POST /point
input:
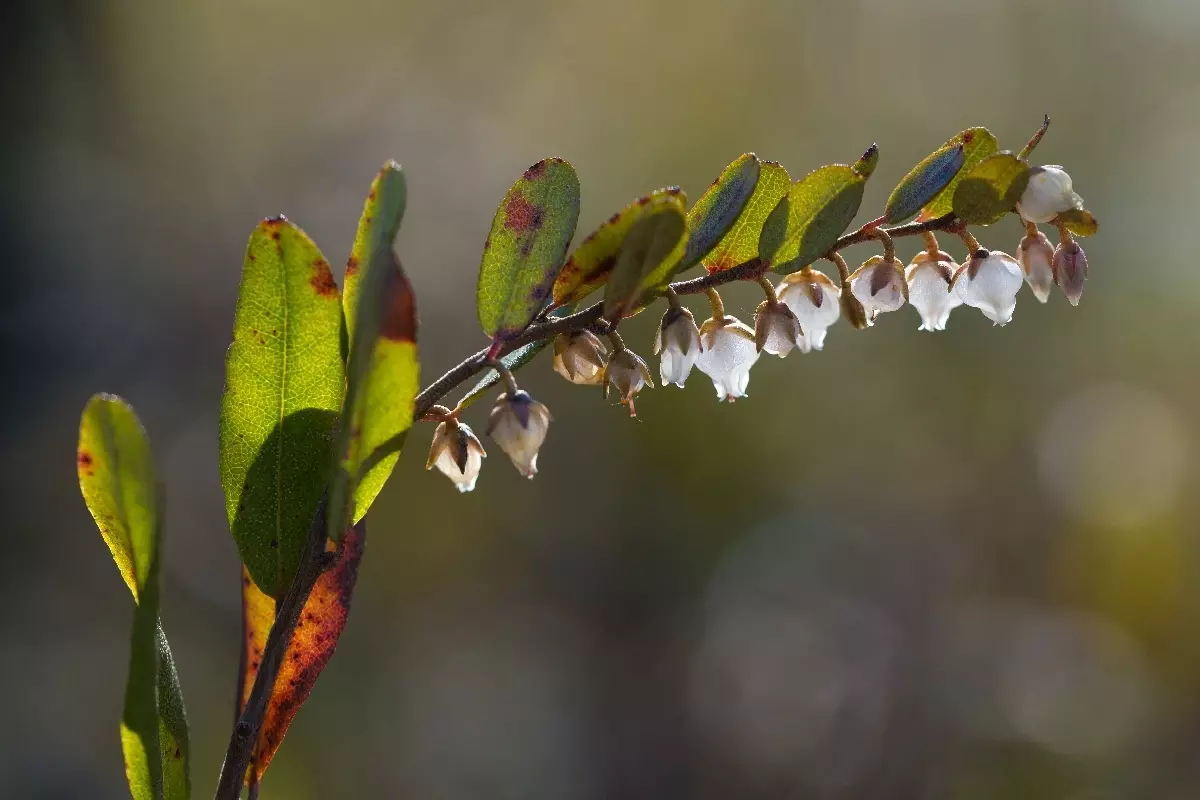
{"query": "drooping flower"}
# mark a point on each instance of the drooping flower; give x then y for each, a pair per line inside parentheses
(677, 344)
(579, 357)
(518, 423)
(880, 286)
(1070, 269)
(1048, 194)
(729, 352)
(990, 282)
(929, 279)
(457, 452)
(776, 329)
(627, 373)
(1036, 255)
(813, 298)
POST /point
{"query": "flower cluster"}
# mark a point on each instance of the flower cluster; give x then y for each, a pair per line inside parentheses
(796, 315)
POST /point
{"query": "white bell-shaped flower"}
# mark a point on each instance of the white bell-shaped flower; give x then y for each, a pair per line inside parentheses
(990, 282)
(518, 423)
(627, 373)
(677, 344)
(1048, 194)
(1070, 269)
(929, 278)
(729, 353)
(457, 452)
(1036, 254)
(579, 357)
(880, 286)
(813, 298)
(776, 329)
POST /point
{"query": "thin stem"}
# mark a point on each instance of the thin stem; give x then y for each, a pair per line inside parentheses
(617, 342)
(1033, 140)
(970, 241)
(842, 267)
(931, 245)
(714, 300)
(1031, 228)
(505, 375)
(438, 414)
(673, 298)
(768, 289)
(1064, 235)
(889, 246)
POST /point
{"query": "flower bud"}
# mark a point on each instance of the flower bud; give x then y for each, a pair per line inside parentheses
(518, 423)
(1070, 269)
(457, 453)
(677, 344)
(776, 329)
(1035, 254)
(729, 352)
(879, 285)
(627, 373)
(990, 282)
(1048, 194)
(929, 279)
(579, 357)
(813, 298)
(852, 309)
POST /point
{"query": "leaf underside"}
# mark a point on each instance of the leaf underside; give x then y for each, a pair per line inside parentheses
(924, 182)
(740, 243)
(710, 219)
(978, 144)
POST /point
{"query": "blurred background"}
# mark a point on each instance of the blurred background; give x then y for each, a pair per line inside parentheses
(959, 565)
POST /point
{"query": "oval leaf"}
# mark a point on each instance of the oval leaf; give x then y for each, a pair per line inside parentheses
(740, 243)
(120, 488)
(513, 361)
(316, 636)
(710, 219)
(977, 144)
(817, 209)
(283, 386)
(377, 227)
(991, 189)
(1078, 221)
(651, 250)
(590, 266)
(525, 249)
(924, 182)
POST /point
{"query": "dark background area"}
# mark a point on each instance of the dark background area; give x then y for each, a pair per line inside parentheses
(958, 565)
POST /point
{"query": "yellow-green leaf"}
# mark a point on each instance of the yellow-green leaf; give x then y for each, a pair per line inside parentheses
(740, 243)
(710, 219)
(977, 144)
(283, 386)
(648, 255)
(590, 266)
(120, 487)
(990, 189)
(1078, 221)
(924, 182)
(378, 225)
(817, 209)
(525, 249)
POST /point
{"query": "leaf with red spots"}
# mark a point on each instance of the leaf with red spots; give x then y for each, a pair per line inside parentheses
(977, 144)
(382, 381)
(590, 266)
(284, 379)
(120, 488)
(710, 219)
(525, 248)
(740, 242)
(312, 645)
(648, 256)
(816, 210)
(377, 227)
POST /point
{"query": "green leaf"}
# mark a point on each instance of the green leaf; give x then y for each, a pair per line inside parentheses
(648, 254)
(283, 386)
(740, 243)
(377, 227)
(817, 209)
(514, 361)
(991, 189)
(382, 383)
(590, 266)
(978, 144)
(1078, 221)
(525, 249)
(120, 487)
(710, 219)
(924, 182)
